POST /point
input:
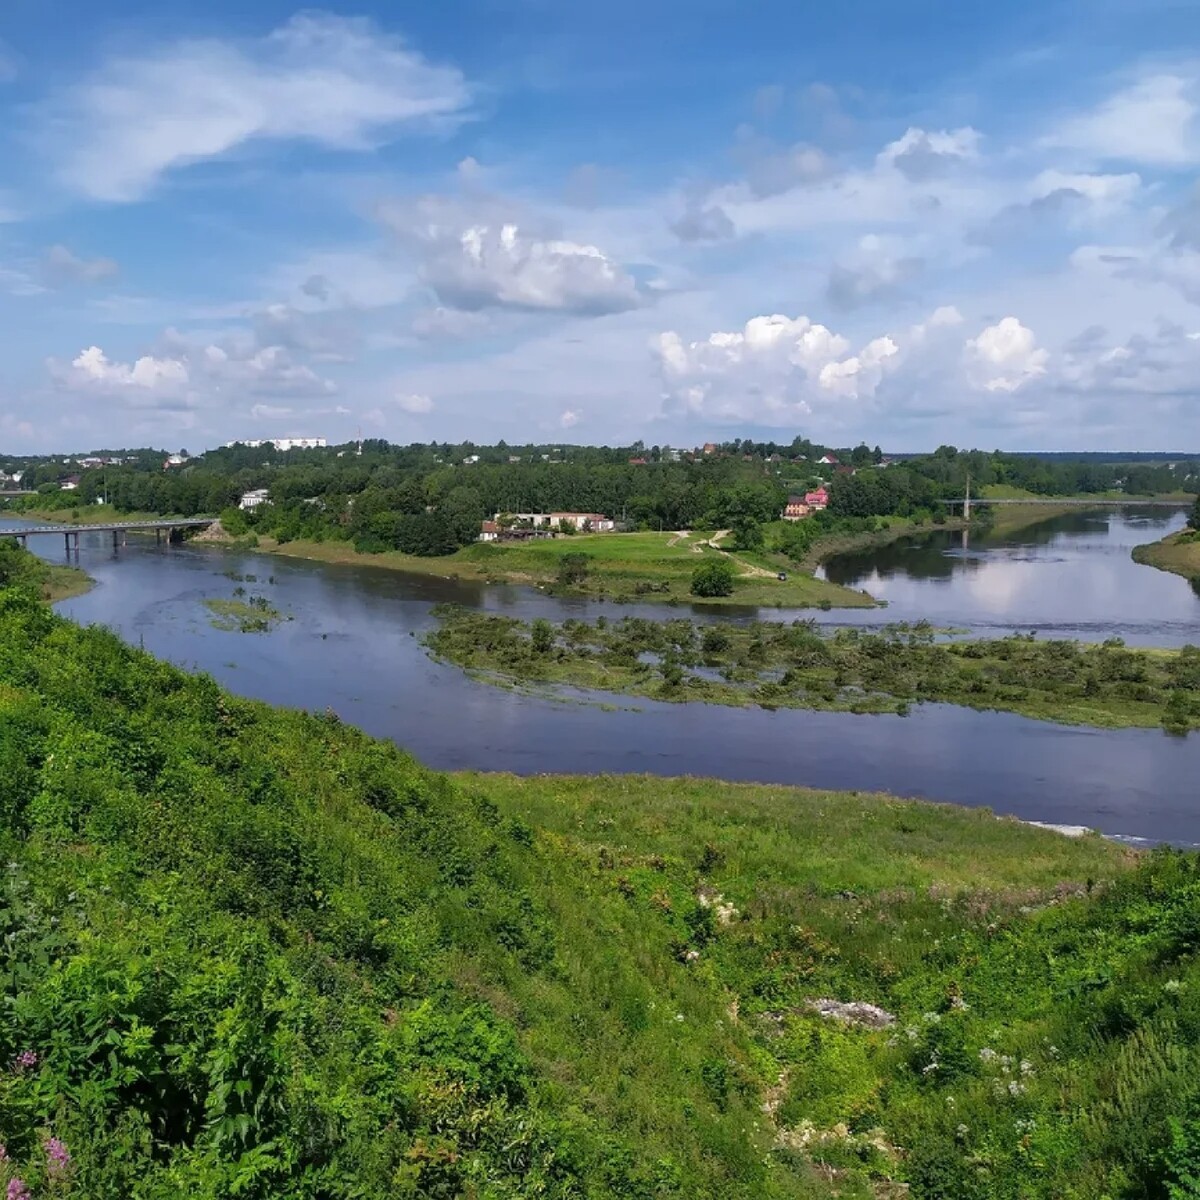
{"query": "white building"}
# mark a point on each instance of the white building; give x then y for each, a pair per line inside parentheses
(253, 499)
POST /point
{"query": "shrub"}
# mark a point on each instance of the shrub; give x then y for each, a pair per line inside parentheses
(713, 578)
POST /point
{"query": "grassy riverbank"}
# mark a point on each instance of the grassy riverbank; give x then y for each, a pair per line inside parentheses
(1178, 553)
(628, 566)
(251, 951)
(776, 665)
(51, 581)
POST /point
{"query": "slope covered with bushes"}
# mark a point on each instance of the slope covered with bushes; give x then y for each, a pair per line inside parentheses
(251, 952)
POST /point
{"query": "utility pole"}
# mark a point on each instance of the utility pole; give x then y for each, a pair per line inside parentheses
(967, 501)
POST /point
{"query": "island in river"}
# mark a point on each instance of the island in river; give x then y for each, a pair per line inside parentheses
(777, 665)
(1178, 553)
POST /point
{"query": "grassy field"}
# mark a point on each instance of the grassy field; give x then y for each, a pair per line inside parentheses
(776, 665)
(626, 566)
(250, 951)
(1178, 553)
(62, 582)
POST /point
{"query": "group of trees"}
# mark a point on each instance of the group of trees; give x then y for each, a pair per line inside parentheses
(428, 499)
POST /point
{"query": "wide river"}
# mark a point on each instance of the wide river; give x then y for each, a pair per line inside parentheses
(353, 643)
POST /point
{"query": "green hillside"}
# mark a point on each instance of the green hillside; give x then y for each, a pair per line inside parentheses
(254, 953)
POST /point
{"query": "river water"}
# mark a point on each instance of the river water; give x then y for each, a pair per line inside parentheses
(353, 643)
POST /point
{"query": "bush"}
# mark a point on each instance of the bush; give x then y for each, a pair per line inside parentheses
(713, 578)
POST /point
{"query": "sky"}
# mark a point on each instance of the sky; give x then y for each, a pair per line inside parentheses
(905, 221)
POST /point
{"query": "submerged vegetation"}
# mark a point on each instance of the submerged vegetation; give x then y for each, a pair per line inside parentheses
(796, 665)
(254, 614)
(252, 952)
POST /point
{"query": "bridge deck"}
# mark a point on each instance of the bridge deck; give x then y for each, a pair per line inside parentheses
(108, 527)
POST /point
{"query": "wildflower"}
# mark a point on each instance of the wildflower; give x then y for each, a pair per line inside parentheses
(17, 1189)
(932, 1018)
(679, 1016)
(987, 1054)
(1026, 1067)
(961, 1132)
(25, 1061)
(930, 1068)
(3, 1153)
(1172, 986)
(58, 1157)
(1015, 1088)
(959, 1004)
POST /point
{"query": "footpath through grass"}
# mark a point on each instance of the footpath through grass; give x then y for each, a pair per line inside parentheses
(776, 665)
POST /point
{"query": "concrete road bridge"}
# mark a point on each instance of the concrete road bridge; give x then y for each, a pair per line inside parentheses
(118, 529)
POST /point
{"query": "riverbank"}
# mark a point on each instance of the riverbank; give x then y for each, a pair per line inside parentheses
(64, 583)
(52, 582)
(772, 665)
(621, 567)
(1178, 553)
(609, 986)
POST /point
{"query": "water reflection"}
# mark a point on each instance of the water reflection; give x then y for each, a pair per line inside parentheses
(1070, 575)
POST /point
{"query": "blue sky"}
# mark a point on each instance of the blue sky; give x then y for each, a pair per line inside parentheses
(910, 222)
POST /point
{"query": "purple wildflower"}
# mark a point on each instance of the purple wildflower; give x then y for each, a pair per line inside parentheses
(17, 1189)
(26, 1060)
(58, 1157)
(3, 1153)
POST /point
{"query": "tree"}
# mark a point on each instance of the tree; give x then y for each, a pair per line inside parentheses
(713, 578)
(1194, 517)
(747, 533)
(573, 569)
(541, 634)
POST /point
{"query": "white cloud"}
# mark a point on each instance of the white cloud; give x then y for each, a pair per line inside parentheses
(152, 374)
(183, 374)
(475, 258)
(61, 267)
(1004, 357)
(270, 412)
(415, 403)
(876, 270)
(701, 224)
(774, 367)
(570, 418)
(1104, 190)
(1150, 121)
(925, 154)
(336, 81)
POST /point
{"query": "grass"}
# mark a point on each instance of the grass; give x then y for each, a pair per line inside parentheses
(250, 951)
(255, 615)
(1178, 553)
(63, 583)
(775, 665)
(627, 566)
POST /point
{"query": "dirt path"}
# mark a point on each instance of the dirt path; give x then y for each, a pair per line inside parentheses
(748, 570)
(680, 535)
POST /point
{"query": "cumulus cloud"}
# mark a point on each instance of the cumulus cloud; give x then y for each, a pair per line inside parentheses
(874, 272)
(473, 259)
(771, 169)
(704, 224)
(329, 337)
(1150, 121)
(1004, 357)
(339, 82)
(921, 155)
(570, 418)
(1182, 224)
(61, 267)
(316, 286)
(182, 374)
(775, 366)
(415, 403)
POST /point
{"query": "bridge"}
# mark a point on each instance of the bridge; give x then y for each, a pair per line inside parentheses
(970, 502)
(119, 529)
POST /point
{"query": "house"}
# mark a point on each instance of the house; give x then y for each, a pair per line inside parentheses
(828, 460)
(70, 483)
(489, 531)
(637, 462)
(593, 522)
(470, 460)
(710, 447)
(796, 508)
(252, 500)
(817, 500)
(284, 444)
(514, 458)
(174, 460)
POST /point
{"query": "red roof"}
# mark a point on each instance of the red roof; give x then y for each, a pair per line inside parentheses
(489, 527)
(820, 496)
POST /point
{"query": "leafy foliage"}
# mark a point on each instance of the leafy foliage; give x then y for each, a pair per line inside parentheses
(714, 577)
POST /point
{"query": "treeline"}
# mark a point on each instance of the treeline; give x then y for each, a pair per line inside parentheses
(429, 499)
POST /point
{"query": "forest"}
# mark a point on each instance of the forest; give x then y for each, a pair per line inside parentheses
(251, 952)
(428, 500)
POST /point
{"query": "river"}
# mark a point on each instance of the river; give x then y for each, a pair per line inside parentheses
(353, 644)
